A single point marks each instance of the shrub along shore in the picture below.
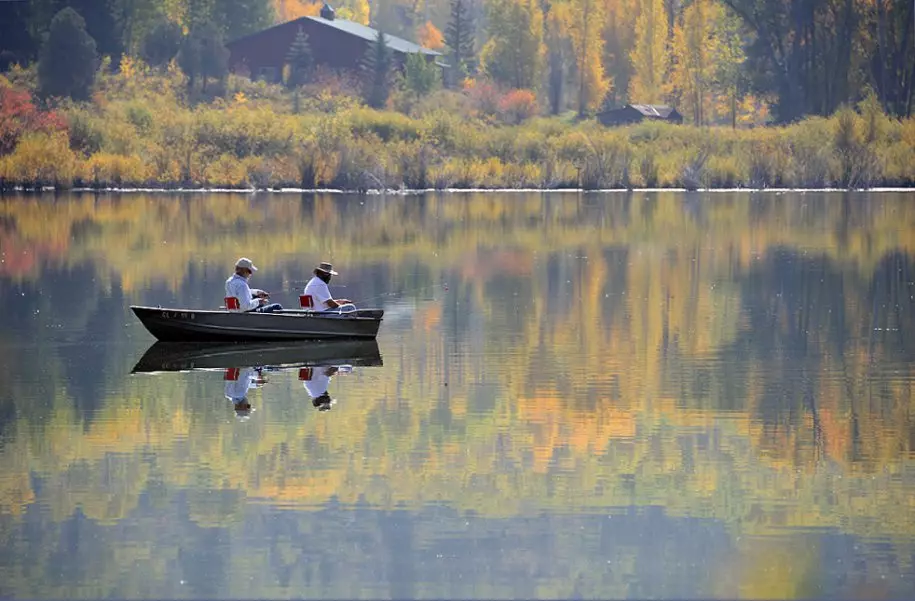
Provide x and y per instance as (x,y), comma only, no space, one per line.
(139,131)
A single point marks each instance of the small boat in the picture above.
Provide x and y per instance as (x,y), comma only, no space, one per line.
(193,325)
(184,356)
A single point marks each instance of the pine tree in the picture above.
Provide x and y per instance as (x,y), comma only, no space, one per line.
(377,65)
(459,37)
(299,60)
(68,60)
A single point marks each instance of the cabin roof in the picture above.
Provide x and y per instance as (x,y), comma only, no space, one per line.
(369,34)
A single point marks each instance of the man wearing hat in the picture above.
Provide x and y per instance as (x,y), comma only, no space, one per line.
(320,293)
(248,299)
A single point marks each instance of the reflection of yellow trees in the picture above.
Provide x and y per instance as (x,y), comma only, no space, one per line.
(589,394)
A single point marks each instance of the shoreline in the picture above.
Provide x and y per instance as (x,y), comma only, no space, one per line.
(419,192)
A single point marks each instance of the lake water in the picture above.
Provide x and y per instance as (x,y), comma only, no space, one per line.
(617,395)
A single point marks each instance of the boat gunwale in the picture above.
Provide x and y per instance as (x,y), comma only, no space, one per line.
(286,312)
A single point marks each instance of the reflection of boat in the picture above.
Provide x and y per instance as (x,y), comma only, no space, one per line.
(178,356)
(191,325)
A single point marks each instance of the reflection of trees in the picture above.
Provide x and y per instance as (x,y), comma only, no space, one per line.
(746,360)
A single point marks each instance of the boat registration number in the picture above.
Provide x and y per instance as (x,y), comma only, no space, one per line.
(177,315)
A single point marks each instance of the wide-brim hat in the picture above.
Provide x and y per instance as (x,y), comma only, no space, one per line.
(326,268)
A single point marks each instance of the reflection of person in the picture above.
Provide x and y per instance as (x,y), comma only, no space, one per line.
(317,388)
(238,383)
(248,299)
(320,293)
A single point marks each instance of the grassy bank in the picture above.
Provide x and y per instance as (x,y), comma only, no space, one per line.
(140,131)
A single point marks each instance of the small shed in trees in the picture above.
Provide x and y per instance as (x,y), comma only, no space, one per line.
(636,113)
(334,43)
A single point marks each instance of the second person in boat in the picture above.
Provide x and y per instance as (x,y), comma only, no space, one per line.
(320,293)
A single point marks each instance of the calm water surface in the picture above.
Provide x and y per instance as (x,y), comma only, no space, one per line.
(642,395)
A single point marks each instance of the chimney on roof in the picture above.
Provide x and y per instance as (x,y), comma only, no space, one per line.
(327,12)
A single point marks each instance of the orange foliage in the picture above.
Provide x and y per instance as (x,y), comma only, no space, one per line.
(429,36)
(518,106)
(290,10)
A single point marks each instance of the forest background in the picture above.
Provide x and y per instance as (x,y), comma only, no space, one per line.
(123,93)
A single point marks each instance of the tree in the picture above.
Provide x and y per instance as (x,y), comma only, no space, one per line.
(290,10)
(18,46)
(514,54)
(355,10)
(459,37)
(803,51)
(299,59)
(649,55)
(428,36)
(68,61)
(203,55)
(99,18)
(619,40)
(238,18)
(377,65)
(421,76)
(161,44)
(728,61)
(136,19)
(558,53)
(585,31)
(694,46)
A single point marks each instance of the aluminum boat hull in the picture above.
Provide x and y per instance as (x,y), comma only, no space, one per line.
(185,356)
(191,325)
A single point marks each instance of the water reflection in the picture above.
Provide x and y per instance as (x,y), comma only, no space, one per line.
(651,395)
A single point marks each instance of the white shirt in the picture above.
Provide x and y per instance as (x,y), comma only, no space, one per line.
(319,292)
(318,383)
(237,286)
(237,390)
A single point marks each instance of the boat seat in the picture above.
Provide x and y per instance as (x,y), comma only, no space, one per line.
(306,301)
(232,303)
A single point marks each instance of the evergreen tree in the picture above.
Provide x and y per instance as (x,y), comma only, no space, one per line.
(98,18)
(459,37)
(377,65)
(299,60)
(68,61)
(161,44)
(421,76)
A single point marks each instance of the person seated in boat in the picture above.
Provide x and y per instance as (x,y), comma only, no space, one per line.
(249,299)
(317,386)
(238,383)
(320,293)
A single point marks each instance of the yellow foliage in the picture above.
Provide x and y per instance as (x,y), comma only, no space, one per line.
(104,169)
(41,160)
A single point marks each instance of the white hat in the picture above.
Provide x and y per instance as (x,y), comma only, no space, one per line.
(245,263)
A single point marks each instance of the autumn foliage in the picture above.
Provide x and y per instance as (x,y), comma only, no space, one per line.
(429,36)
(19,116)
